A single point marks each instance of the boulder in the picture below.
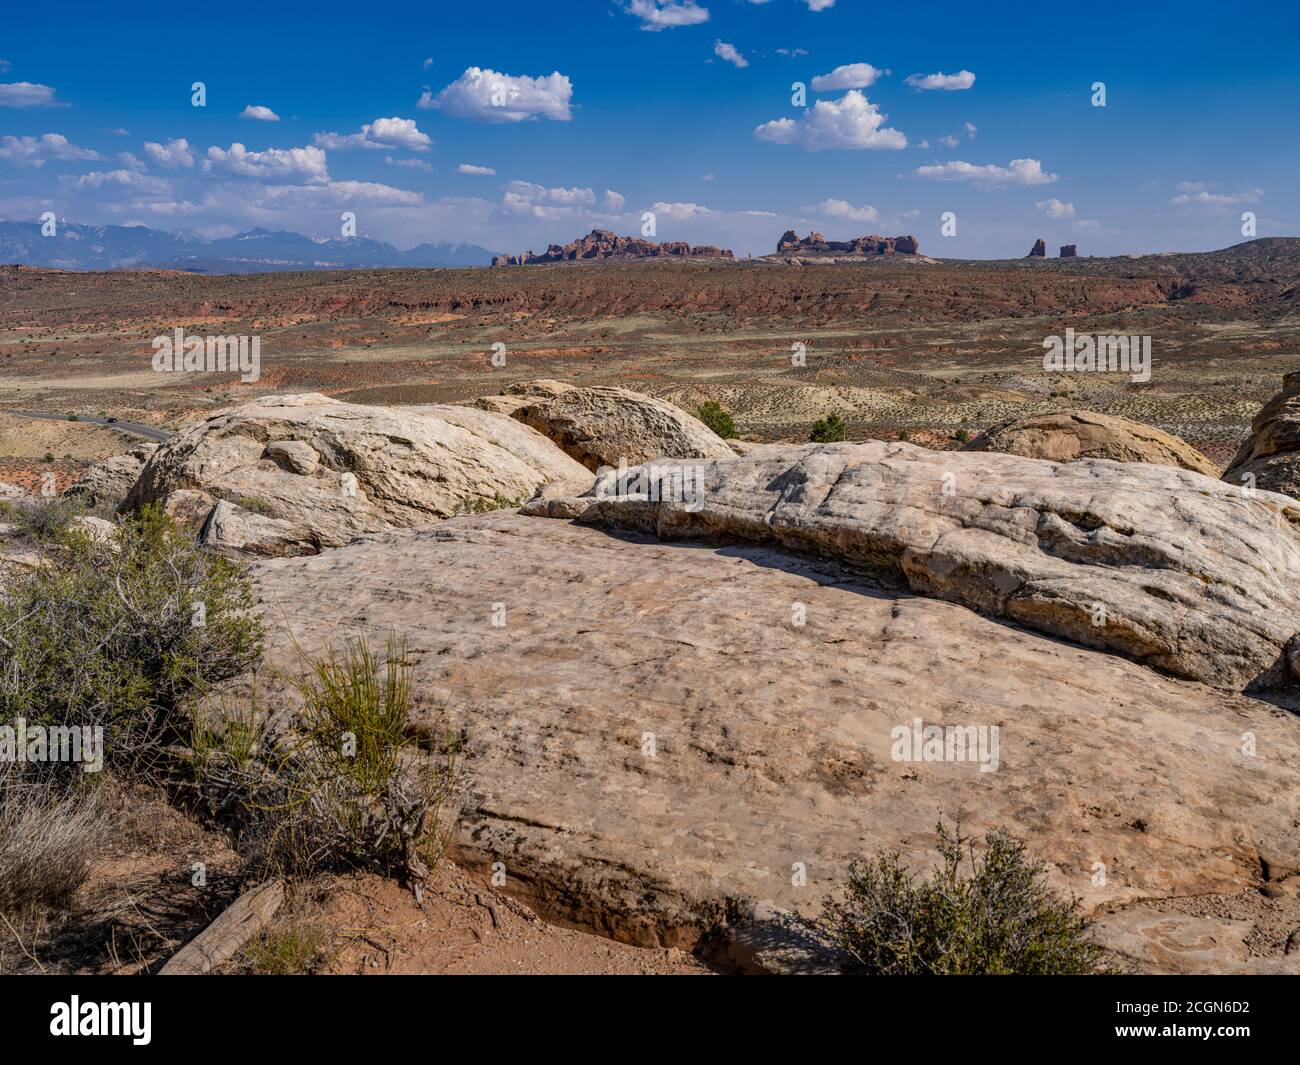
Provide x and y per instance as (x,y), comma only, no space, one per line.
(1067,435)
(605,426)
(500,404)
(233,531)
(1161,565)
(661,734)
(311,472)
(1270,456)
(545,387)
(109,481)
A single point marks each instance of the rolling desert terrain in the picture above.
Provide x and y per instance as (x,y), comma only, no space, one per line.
(930,348)
(454,398)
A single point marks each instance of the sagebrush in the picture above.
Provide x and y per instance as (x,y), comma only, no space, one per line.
(345,786)
(116,631)
(716,417)
(1001,919)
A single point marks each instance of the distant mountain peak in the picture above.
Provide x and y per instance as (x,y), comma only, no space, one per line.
(253,250)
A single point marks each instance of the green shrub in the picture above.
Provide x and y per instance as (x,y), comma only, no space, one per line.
(1001,919)
(828,430)
(712,414)
(116,633)
(290,949)
(46,521)
(347,787)
(963,437)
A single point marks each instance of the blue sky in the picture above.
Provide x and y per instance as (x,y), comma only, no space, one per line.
(590,113)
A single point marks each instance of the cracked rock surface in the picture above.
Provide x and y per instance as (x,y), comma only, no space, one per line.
(661,734)
(1165,566)
(302,472)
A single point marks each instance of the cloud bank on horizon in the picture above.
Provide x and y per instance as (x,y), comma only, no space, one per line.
(520,126)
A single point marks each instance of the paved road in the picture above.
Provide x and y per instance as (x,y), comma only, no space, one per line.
(149,432)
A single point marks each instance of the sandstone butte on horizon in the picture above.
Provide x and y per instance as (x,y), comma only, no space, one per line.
(604,244)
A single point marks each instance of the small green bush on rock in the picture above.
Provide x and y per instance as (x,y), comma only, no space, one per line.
(828,430)
(1001,919)
(115,632)
(712,414)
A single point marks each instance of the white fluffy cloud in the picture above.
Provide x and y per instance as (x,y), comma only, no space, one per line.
(1054,208)
(173,155)
(27,94)
(484,95)
(681,211)
(408,164)
(658,15)
(381,133)
(613,201)
(852,121)
(728,52)
(843,209)
(257,111)
(963,79)
(307,162)
(1017,172)
(335,194)
(849,76)
(819,5)
(525,197)
(34,151)
(129,179)
(1197,194)
(470,168)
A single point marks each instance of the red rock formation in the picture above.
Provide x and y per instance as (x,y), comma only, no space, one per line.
(602,244)
(1039,250)
(791,244)
(1069,251)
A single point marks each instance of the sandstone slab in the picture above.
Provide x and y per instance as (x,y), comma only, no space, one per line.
(1164,566)
(663,739)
